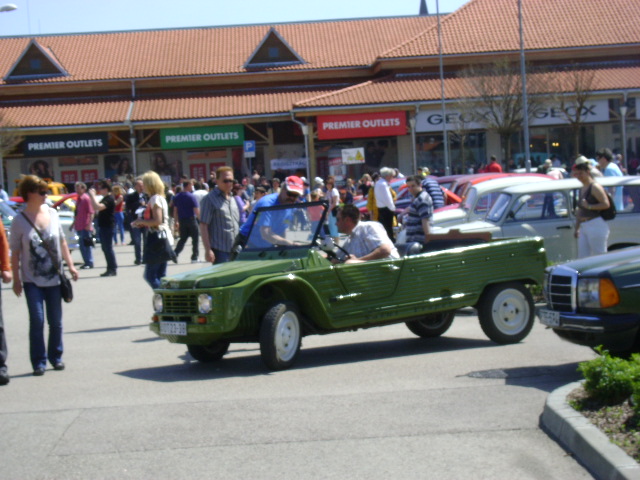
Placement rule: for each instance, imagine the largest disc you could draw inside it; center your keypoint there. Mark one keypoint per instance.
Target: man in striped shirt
(418, 220)
(219, 218)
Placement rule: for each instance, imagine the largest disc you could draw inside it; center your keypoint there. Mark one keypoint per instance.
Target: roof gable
(273, 51)
(35, 61)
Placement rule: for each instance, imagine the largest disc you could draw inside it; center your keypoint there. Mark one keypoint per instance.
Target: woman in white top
(333, 197)
(35, 263)
(156, 217)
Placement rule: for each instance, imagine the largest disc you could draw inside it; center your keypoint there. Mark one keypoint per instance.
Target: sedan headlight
(597, 293)
(157, 303)
(205, 303)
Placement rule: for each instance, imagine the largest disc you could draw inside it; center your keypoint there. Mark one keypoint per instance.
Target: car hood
(620, 261)
(477, 226)
(449, 217)
(229, 273)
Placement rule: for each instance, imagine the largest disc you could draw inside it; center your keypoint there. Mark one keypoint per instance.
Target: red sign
(89, 176)
(362, 125)
(69, 176)
(198, 171)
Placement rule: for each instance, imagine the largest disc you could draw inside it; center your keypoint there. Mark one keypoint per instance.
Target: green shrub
(610, 379)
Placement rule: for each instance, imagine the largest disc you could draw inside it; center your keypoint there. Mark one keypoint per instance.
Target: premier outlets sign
(200, 137)
(431, 120)
(66, 145)
(362, 125)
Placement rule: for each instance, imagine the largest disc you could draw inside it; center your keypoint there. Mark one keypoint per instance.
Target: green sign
(219, 136)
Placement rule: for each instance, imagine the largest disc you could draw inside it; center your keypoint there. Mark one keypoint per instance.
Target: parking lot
(380, 403)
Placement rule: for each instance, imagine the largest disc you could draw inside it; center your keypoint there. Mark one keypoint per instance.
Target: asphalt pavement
(379, 403)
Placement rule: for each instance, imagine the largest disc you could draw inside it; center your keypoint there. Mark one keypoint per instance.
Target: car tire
(209, 353)
(506, 312)
(433, 325)
(280, 336)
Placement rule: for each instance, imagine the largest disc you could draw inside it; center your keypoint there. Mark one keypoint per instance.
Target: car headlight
(157, 303)
(597, 293)
(205, 303)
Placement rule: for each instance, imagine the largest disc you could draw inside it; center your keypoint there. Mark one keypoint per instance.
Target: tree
(572, 89)
(495, 91)
(9, 139)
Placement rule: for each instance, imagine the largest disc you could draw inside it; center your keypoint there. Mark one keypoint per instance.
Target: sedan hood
(477, 226)
(621, 261)
(442, 218)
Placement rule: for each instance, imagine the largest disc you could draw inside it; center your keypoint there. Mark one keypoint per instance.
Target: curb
(584, 440)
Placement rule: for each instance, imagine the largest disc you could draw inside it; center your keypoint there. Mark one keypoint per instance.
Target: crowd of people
(217, 215)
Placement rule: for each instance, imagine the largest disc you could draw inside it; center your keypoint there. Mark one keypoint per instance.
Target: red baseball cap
(294, 184)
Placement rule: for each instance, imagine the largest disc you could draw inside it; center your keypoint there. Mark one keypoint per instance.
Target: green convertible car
(275, 294)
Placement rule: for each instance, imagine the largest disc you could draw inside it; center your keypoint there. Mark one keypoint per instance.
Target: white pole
(525, 107)
(447, 166)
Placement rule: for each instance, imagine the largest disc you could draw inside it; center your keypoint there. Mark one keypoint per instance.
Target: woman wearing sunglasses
(35, 260)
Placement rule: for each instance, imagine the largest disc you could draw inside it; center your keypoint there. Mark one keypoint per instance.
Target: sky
(39, 17)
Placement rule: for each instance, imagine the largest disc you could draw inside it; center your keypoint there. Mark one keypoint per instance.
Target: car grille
(183, 304)
(559, 289)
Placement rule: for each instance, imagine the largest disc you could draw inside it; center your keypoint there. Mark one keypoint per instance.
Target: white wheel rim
(287, 336)
(510, 312)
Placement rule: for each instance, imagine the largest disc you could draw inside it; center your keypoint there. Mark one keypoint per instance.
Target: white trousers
(592, 238)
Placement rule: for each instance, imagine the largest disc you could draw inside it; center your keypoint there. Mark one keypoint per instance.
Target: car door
(371, 282)
(548, 215)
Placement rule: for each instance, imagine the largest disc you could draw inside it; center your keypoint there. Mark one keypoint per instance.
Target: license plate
(549, 318)
(173, 328)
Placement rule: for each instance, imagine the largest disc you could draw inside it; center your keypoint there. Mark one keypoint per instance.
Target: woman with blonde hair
(38, 246)
(118, 196)
(156, 217)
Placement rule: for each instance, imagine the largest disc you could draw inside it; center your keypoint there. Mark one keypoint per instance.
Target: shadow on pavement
(109, 329)
(251, 364)
(543, 377)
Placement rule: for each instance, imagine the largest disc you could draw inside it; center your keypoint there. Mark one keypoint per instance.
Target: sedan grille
(559, 289)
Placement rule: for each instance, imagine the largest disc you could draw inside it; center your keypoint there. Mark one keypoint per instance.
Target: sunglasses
(293, 195)
(227, 180)
(42, 192)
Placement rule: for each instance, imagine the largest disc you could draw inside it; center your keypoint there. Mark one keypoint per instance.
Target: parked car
(8, 213)
(546, 209)
(461, 184)
(277, 294)
(596, 301)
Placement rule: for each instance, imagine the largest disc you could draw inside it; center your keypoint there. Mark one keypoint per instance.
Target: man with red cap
(273, 224)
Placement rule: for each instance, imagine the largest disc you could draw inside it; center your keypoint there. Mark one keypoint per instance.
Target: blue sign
(249, 148)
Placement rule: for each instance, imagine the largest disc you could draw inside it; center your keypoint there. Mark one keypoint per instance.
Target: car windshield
(287, 226)
(6, 211)
(499, 208)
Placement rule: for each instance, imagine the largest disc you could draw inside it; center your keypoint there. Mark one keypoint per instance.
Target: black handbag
(609, 213)
(88, 241)
(66, 290)
(157, 248)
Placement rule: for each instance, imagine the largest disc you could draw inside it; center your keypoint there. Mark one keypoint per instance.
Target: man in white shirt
(384, 200)
(367, 240)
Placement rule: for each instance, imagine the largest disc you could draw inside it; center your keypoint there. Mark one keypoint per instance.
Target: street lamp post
(9, 7)
(623, 118)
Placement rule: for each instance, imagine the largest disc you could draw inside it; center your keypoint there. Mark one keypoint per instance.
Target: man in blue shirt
(185, 214)
(418, 220)
(272, 225)
(604, 156)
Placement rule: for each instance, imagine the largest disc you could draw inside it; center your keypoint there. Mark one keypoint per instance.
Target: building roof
(419, 88)
(215, 50)
(484, 26)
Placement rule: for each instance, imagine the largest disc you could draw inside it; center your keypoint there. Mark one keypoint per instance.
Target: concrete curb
(588, 444)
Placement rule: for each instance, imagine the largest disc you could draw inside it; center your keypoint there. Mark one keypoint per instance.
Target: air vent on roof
(35, 62)
(273, 51)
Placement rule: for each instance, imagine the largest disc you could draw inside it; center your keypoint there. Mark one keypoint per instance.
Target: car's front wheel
(432, 325)
(506, 312)
(280, 336)
(209, 353)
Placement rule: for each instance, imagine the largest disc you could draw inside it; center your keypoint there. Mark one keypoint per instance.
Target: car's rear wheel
(506, 312)
(280, 336)
(209, 353)
(432, 325)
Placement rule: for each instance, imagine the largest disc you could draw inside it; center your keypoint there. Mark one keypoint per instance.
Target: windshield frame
(499, 208)
(304, 206)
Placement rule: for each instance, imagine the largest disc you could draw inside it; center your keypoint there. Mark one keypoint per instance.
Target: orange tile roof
(416, 88)
(216, 50)
(492, 26)
(72, 113)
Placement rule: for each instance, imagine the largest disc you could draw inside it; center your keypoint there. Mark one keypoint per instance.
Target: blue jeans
(221, 257)
(136, 235)
(86, 252)
(153, 273)
(3, 344)
(106, 237)
(119, 216)
(37, 298)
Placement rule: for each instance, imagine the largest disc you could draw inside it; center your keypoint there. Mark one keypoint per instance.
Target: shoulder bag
(66, 290)
(157, 248)
(609, 213)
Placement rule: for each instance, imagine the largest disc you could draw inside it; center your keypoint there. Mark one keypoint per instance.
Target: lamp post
(9, 7)
(623, 118)
(445, 140)
(414, 157)
(525, 101)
